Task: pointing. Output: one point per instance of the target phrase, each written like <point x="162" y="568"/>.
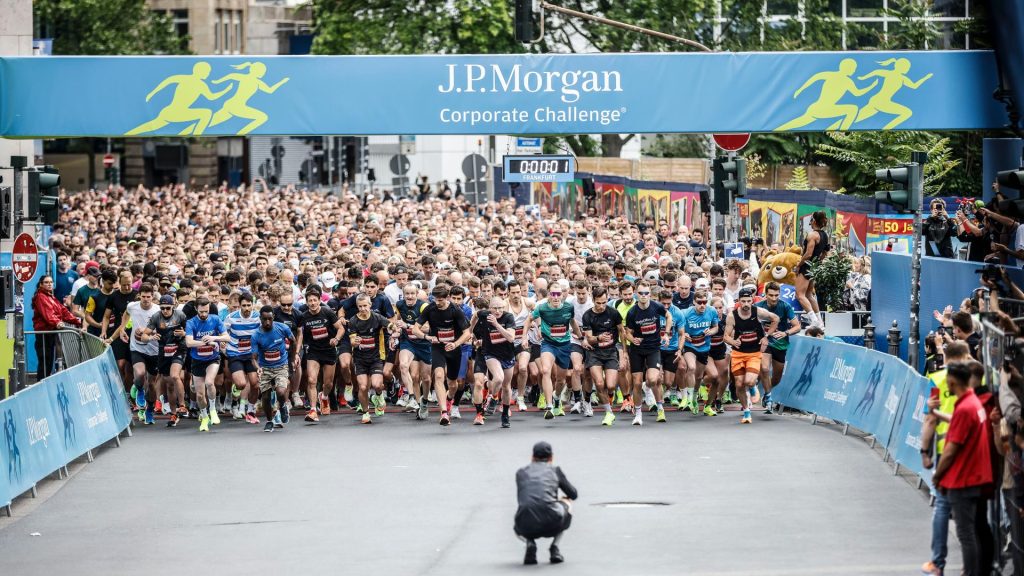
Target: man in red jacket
<point x="964" y="473"/>
<point x="49" y="314"/>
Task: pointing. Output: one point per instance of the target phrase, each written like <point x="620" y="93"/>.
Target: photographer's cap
<point x="542" y="450"/>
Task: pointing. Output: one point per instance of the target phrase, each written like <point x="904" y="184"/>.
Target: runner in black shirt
<point x="169" y="329"/>
<point x="367" y="337"/>
<point x="643" y="331"/>
<point x="321" y="330"/>
<point x="447" y="323"/>
<point x="286" y="314"/>
<point x="601" y="328"/>
<point x="117" y="305"/>
<point x="496" y="329"/>
<point x="380" y="304"/>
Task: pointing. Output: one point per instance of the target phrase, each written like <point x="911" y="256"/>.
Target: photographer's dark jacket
<point x="937" y="233"/>
<point x="540" y="514"/>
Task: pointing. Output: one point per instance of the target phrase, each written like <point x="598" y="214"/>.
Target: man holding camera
<point x="937" y="231"/>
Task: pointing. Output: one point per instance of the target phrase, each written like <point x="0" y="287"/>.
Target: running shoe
<point x="564" y="396"/>
<point x="505" y="423"/>
<point x="542" y="402"/>
<point x="709" y="411"/>
<point x="674" y="401"/>
<point x="141" y="414"/>
<point x="627" y="405"/>
<point x="359" y="409"/>
<point x="456" y="415"/>
<point x="649" y="396"/>
<point x="548" y="415"/>
<point x="718" y="406"/>
<point x="638" y="418"/>
<point x="251" y="418"/>
<point x="133" y="393"/>
<point x="424" y="411"/>
<point x="311" y="416"/>
<point x="746" y="417"/>
<point x="702" y="393"/>
<point x="618" y="396"/>
<point x="727" y="397"/>
<point x="693" y="407"/>
<point x="521" y="404"/>
<point x="278" y="422"/>
<point x="492" y="405"/>
<point x="403" y="401"/>
<point x="140" y="397"/>
<point x="325" y="405"/>
<point x="204" y="424"/>
<point x="556" y="555"/>
<point x="478" y="420"/>
<point x="366" y="419"/>
<point x="149" y="417"/>
<point x="594" y="399"/>
<point x="661" y="416"/>
<point x="432" y="397"/>
<point x="348" y="394"/>
<point x="296" y="399"/>
<point x="930" y="569"/>
<point x="163" y="406"/>
<point x="577" y="408"/>
<point x="236" y="412"/>
<point x="214" y="418"/>
<point x="588" y="410"/>
<point x="412" y="405"/>
<point x="379" y="404"/>
<point x="173" y="422"/>
<point x="769" y="407"/>
<point x="609" y="418"/>
<point x="286" y="415"/>
<point x="268" y="427"/>
<point x="445" y="420"/>
<point x="558" y="410"/>
<point x="531" y="553"/>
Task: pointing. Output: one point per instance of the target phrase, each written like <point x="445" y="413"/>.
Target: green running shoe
<point x="609" y="418"/>
<point x="542" y="402"/>
<point x="379" y="404"/>
<point x="709" y="411"/>
<point x="661" y="416"/>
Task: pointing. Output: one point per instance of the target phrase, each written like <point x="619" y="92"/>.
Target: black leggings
<point x="46" y="354"/>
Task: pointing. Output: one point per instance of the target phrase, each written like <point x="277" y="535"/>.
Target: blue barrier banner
<point x="846" y="383"/>
<point x="57" y="420"/>
<point x="906" y="442"/>
<point x="499" y="94"/>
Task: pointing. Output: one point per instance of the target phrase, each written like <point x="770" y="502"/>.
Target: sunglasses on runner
<point x="554" y="293"/>
<point x="643" y="293"/>
<point x="700" y="301"/>
<point x="165" y="307"/>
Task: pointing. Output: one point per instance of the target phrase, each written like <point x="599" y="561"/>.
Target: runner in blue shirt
<point x="270" y="345"/>
<point x="202" y="336"/>
<point x="240" y="325"/>
<point x="670" y="353"/>
<point x="773" y="359"/>
<point x="700" y="324"/>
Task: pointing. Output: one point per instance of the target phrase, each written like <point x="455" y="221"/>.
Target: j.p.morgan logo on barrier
<point x="474" y="78"/>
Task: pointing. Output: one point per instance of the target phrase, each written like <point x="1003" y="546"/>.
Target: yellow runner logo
<point x="835" y="84"/>
<point x="190" y="87"/>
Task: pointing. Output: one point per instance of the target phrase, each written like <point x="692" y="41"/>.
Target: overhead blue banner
<point x="528" y="94"/>
<point x="57" y="420"/>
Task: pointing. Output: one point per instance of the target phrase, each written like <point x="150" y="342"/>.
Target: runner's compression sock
<point x="479" y="408"/>
<point x="660" y="405"/>
<point x="505" y="410"/>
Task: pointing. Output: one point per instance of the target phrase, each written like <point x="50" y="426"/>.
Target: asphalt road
<point x="778" y="497"/>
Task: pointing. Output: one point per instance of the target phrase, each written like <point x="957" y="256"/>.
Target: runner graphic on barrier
<point x="892" y="82"/>
<point x="803" y="384"/>
<point x="868" y="400"/>
<point x="14" y="455"/>
<point x="247" y="86"/>
<point x="65" y="416"/>
<point x="834" y="85"/>
<point x="189" y="88"/>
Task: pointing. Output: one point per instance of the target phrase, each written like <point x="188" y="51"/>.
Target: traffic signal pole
<point x="17" y="373"/>
<point x="918" y="160"/>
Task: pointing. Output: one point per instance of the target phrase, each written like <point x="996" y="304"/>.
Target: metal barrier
<point x="75" y="347"/>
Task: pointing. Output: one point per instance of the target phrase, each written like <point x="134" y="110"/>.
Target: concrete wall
<point x="694" y="171"/>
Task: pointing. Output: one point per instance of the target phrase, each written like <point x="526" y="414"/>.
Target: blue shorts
<point x="420" y="353"/>
<point x="466" y="353"/>
<point x="505" y="364"/>
<point x="561" y="352"/>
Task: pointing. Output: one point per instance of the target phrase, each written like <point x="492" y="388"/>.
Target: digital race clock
<point x="540" y="168"/>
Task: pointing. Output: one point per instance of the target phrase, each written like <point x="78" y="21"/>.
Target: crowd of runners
<point x="237" y="304"/>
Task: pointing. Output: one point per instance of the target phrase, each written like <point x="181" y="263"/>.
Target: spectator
<point x="973" y="231"/>
<point x="937" y="231"/>
<point x="48" y="314"/>
<point x="965" y="471"/>
<point x="857" y="295"/>
<point x="541" y="513"/>
<point x="64" y="279"/>
<point x="1008" y="234"/>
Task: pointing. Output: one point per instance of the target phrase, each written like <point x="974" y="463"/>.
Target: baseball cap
<point x="328" y="279"/>
<point x="702" y="284"/>
<point x="166" y="300"/>
<point x="746" y="292"/>
<point x="92" y="264"/>
<point x="92" y="270"/>
<point x="542" y="450"/>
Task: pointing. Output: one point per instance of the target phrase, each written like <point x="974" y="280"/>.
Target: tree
<point x="858" y="154"/>
<point x="418" y="27"/>
<point x="798" y="180"/>
<point x="913" y="31"/>
<point x="106" y="27"/>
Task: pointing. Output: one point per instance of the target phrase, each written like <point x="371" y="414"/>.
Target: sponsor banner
<point x="499" y="94"/>
<point x="854" y="227"/>
<point x="774" y="222"/>
<point x="890" y="233"/>
<point x="850" y="384"/>
<point x="906" y="441"/>
<point x="57" y="420"/>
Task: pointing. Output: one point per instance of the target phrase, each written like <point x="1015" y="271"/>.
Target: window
<point x="866" y="35"/>
<point x="863" y="8"/>
<point x="783" y="7"/>
<point x="216" y="33"/>
<point x="238" y="33"/>
<point x="226" y="33"/>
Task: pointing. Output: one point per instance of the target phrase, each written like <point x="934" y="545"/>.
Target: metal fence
<point x="74" y="347"/>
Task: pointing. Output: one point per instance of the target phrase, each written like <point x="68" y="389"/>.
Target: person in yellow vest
<point x="933" y="436"/>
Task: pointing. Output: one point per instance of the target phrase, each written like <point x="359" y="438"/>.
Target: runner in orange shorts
<point x="746" y="334"/>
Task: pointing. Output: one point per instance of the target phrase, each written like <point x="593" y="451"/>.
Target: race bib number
<point x="717" y="340"/>
<point x="170" y="350"/>
<point x="559" y="330"/>
<point x="245" y="345"/>
<point x="410" y="335"/>
<point x="697" y="340"/>
<point x="497" y="338"/>
<point x="205" y="350"/>
<point x="318" y="333"/>
<point x="519" y="333"/>
<point x="648" y="329"/>
<point x="367" y="343"/>
<point x="446" y="335"/>
<point x="748" y="337"/>
<point x="272" y="355"/>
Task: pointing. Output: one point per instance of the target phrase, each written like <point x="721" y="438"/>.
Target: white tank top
<point x="520" y="319"/>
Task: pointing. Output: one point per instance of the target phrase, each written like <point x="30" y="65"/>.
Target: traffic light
<point x="524" y="21"/>
<point x="44" y="194"/>
<point x="729" y="178"/>
<point x="6" y="213"/>
<point x="907" y="187"/>
<point x="1013" y="179"/>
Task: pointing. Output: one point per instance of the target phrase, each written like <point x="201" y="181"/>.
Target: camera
<point x="993" y="274"/>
